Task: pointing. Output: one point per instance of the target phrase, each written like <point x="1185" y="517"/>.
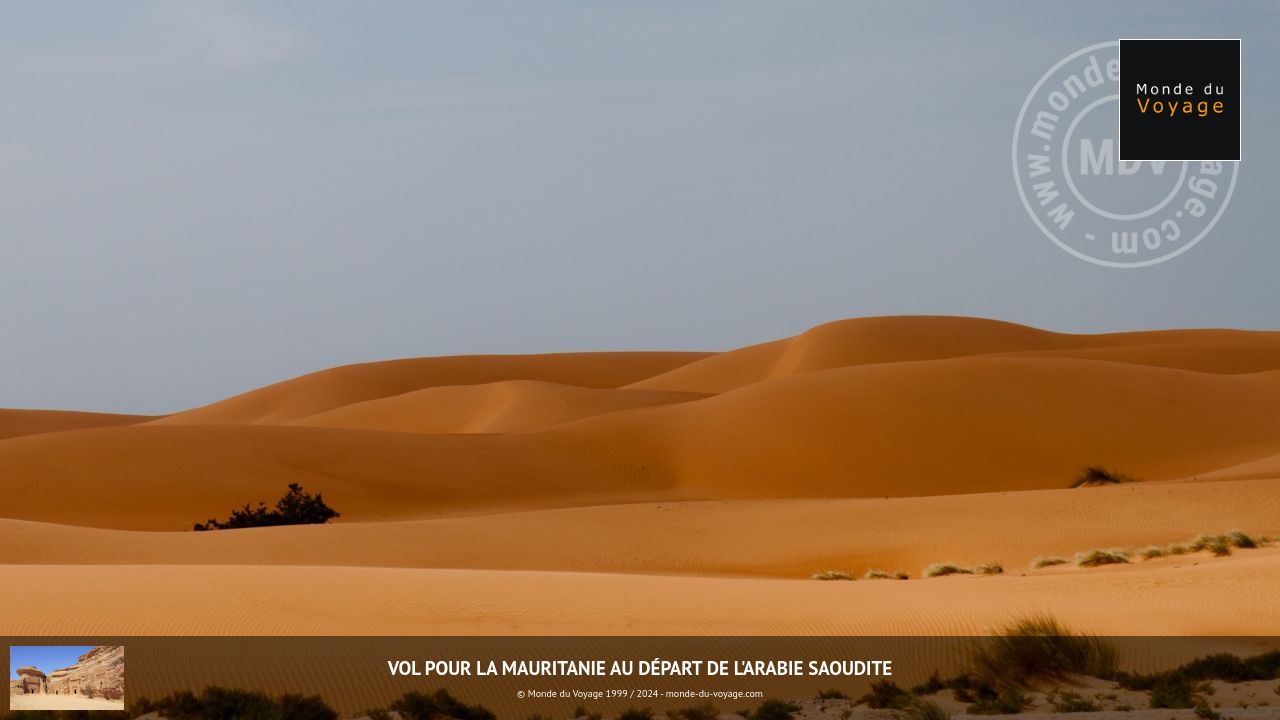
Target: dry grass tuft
<point x="1099" y="557"/>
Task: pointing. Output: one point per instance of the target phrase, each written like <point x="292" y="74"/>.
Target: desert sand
<point x="62" y="702"/>
<point x="673" y="493"/>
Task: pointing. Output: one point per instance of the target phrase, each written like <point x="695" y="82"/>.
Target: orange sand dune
<point x="708" y="538"/>
<point x="865" y="341"/>
<point x="652" y="493"/>
<point x="503" y="407"/>
<point x="962" y="425"/>
<point x="1259" y="353"/>
<point x="328" y="389"/>
<point x="165" y="477"/>
<point x="16" y="423"/>
<point x="274" y="600"/>
<point x="943" y="427"/>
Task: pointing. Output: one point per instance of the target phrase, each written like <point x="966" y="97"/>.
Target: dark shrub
<point x="696" y="712"/>
<point x="1096" y="475"/>
<point x="636" y="714"/>
<point x="1038" y="648"/>
<point x="886" y="694"/>
<point x="295" y="508"/>
<point x="298" y="707"/>
<point x="438" y="705"/>
<point x="1009" y="702"/>
<point x="931" y="686"/>
<point x="1173" y="691"/>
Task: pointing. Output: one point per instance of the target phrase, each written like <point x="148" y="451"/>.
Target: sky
<point x="200" y="198"/>
<point x="44" y="657"/>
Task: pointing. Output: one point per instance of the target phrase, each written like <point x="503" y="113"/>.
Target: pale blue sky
<point x="44" y="657"/>
<point x="203" y="197"/>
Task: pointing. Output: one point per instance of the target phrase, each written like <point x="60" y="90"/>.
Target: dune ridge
<point x="20" y="423"/>
<point x="528" y="490"/>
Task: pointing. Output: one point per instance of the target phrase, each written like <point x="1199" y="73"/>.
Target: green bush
<point x="832" y="575"/>
<point x="1045" y="561"/>
<point x="295" y="508"/>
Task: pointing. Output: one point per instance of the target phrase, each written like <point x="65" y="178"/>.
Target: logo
<point x="1107" y="211"/>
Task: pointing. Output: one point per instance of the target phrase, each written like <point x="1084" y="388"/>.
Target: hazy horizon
<point x="207" y="197"/>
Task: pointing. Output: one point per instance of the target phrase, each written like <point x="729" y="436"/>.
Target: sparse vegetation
<point x="1064" y="701"/>
<point x="989" y="569"/>
<point x="1095" y="475"/>
<point x="1151" y="552"/>
<point x="1045" y="561"/>
<point x="217" y="703"/>
<point x="1207" y="713"/>
<point x="933" y="685"/>
<point x="775" y="710"/>
<point x="832" y="694"/>
<point x="876" y="574"/>
<point x="885" y="694"/>
<point x="1219" y="545"/>
<point x="1096" y="558"/>
<point x="1039" y="648"/>
<point x="698" y="712"/>
<point x="439" y="704"/>
<point x="926" y="710"/>
<point x="295" y="508"/>
<point x="582" y="713"/>
<point x="832" y="575"/>
<point x="946" y="568"/>
<point x="636" y="714"/>
<point x="1009" y="702"/>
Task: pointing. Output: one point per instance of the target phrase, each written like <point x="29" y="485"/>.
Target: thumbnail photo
<point x="66" y="677"/>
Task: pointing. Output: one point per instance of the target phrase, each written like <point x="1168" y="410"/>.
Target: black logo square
<point x="1180" y="99"/>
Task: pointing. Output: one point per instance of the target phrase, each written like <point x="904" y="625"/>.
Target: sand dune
<point x="708" y="538"/>
<point x="966" y="425"/>
<point x="17" y="423"/>
<point x="167" y="477"/>
<point x="328" y="389"/>
<point x="274" y="600"/>
<point x="654" y="493"/>
<point x="943" y="427"/>
<point x="865" y="341"/>
<point x="502" y="407"/>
